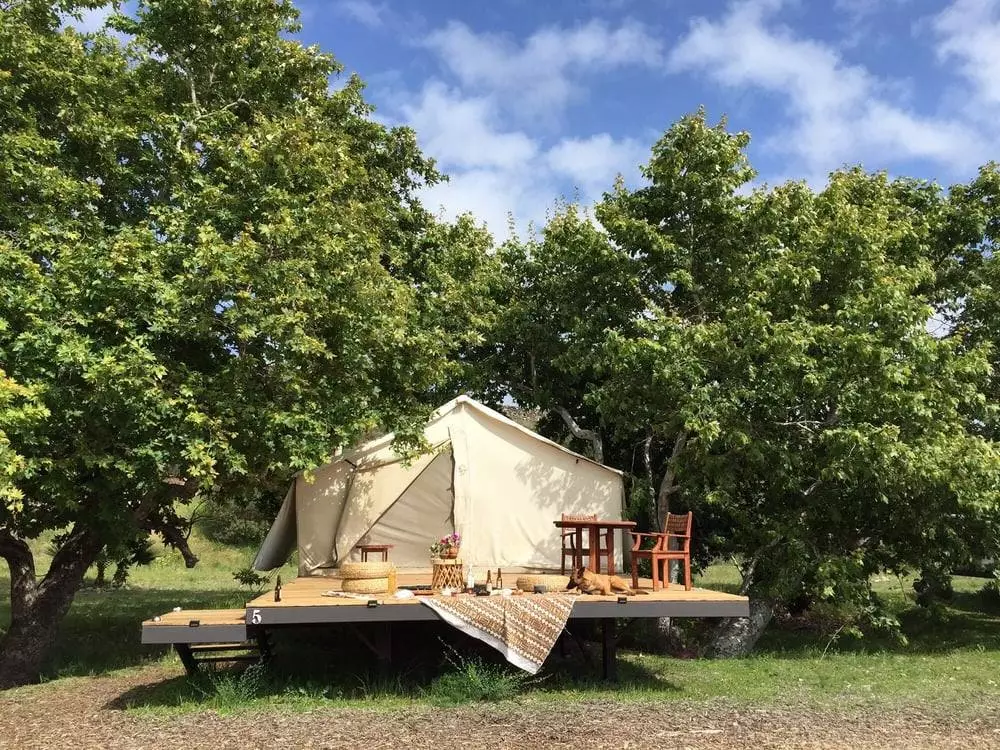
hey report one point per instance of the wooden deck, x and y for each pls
(197, 626)
(304, 601)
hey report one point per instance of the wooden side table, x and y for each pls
(378, 548)
(447, 572)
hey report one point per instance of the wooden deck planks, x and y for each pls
(303, 602)
(308, 592)
(204, 616)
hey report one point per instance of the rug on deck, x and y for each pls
(522, 628)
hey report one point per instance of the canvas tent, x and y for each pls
(496, 483)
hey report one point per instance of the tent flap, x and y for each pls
(280, 539)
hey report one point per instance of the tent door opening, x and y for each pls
(424, 513)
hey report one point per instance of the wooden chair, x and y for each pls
(672, 544)
(574, 548)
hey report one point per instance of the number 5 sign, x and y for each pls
(255, 617)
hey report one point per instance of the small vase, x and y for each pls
(450, 553)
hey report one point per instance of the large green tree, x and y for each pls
(213, 272)
(969, 280)
(766, 352)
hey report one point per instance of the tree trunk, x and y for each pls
(737, 636)
(38, 607)
(668, 485)
(25, 645)
(100, 580)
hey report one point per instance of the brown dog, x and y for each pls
(590, 582)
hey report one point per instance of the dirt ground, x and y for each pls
(86, 713)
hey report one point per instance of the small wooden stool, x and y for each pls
(383, 548)
(448, 572)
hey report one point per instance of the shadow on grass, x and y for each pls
(331, 663)
(102, 630)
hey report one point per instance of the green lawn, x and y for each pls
(949, 661)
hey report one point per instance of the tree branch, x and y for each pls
(15, 551)
(77, 553)
(592, 435)
(811, 425)
(647, 459)
(170, 530)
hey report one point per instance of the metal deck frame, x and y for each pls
(259, 620)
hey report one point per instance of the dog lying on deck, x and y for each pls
(590, 582)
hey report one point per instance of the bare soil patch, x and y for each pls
(86, 713)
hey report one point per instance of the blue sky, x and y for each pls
(524, 102)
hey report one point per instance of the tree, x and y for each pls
(768, 350)
(560, 292)
(969, 281)
(200, 282)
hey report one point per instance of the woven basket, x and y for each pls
(551, 582)
(354, 571)
(366, 586)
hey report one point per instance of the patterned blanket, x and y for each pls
(522, 628)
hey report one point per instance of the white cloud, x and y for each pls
(838, 112)
(968, 31)
(365, 12)
(496, 171)
(541, 74)
(481, 125)
(592, 163)
(459, 132)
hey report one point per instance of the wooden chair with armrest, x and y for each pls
(574, 545)
(672, 544)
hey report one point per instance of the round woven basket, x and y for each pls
(551, 582)
(366, 586)
(353, 571)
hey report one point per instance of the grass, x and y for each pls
(949, 661)
(101, 632)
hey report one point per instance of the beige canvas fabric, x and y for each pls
(497, 483)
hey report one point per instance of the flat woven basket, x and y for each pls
(550, 582)
(366, 586)
(353, 571)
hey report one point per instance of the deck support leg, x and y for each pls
(564, 651)
(609, 649)
(263, 645)
(379, 641)
(187, 658)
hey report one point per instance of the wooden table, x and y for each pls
(381, 548)
(594, 529)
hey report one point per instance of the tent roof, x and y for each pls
(492, 414)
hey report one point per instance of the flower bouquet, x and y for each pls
(447, 547)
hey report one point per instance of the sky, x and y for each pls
(527, 102)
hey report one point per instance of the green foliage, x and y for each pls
(770, 349)
(252, 580)
(229, 691)
(934, 585)
(474, 680)
(236, 523)
(990, 592)
(213, 269)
